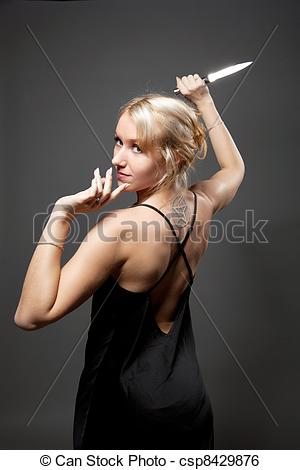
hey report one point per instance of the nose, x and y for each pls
(119, 158)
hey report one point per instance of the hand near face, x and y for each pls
(87, 200)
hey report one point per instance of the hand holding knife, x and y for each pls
(195, 89)
(212, 77)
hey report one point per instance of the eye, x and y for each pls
(116, 139)
(136, 146)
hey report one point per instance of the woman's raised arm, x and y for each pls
(220, 188)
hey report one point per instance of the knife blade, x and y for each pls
(212, 77)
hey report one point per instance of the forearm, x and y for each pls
(42, 278)
(226, 151)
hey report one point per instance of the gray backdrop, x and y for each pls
(244, 303)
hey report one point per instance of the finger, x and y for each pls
(199, 81)
(108, 182)
(102, 179)
(107, 187)
(94, 183)
(93, 188)
(191, 80)
(180, 85)
(184, 79)
(98, 180)
(118, 190)
(188, 83)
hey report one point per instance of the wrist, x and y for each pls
(204, 104)
(63, 208)
(209, 114)
(57, 227)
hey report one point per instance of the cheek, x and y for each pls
(146, 171)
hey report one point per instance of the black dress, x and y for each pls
(141, 388)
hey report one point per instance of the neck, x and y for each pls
(161, 197)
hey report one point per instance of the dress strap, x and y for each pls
(180, 245)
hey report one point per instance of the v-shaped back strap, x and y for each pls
(180, 244)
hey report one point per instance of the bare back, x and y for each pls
(149, 255)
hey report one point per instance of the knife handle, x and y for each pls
(205, 79)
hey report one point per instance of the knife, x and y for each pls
(212, 77)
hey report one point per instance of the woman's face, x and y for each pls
(141, 168)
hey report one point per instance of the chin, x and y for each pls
(128, 189)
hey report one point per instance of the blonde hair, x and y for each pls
(171, 126)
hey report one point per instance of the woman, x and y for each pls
(141, 386)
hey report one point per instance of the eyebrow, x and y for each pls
(130, 140)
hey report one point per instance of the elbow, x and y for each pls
(236, 171)
(24, 323)
(29, 320)
(243, 168)
(240, 168)
(25, 326)
(240, 172)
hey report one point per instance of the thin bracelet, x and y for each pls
(212, 127)
(49, 243)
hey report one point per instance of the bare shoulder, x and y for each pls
(110, 220)
(116, 217)
(204, 203)
(198, 188)
(124, 222)
(109, 228)
(138, 227)
(138, 213)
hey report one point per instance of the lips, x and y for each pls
(122, 174)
